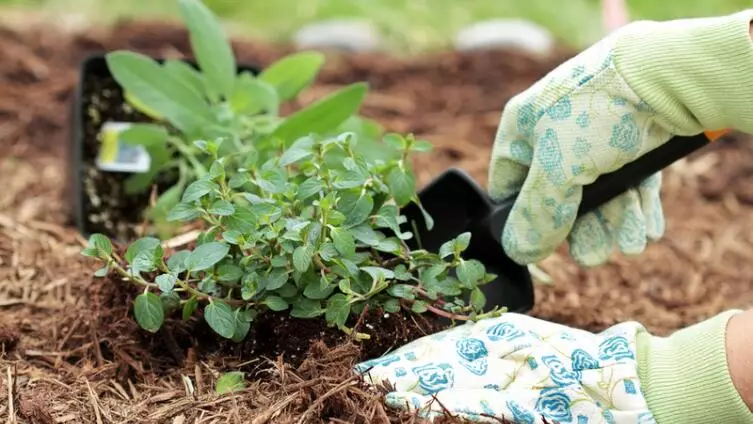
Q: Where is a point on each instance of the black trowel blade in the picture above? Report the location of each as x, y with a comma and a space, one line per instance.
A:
457, 204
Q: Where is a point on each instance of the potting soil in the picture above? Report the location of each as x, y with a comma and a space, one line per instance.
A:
70, 351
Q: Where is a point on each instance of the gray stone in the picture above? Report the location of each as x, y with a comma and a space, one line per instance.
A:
505, 33
348, 35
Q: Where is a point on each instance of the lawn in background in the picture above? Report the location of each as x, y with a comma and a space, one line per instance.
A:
409, 25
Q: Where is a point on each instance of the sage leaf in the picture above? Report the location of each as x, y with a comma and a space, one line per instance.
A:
293, 73
144, 79
209, 45
323, 115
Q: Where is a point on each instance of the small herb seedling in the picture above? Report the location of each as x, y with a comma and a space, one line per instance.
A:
215, 102
313, 228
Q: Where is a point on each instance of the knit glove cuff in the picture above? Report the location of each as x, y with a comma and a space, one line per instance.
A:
685, 378
696, 73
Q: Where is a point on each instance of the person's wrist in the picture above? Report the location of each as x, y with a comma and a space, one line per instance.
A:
685, 377
694, 73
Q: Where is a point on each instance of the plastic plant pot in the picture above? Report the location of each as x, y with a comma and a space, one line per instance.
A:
97, 198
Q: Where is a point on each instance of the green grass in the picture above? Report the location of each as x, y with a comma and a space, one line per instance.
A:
409, 25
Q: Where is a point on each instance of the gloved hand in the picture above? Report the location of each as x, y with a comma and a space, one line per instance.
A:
524, 370
517, 368
622, 97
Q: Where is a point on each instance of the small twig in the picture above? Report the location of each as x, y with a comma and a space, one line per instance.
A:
11, 389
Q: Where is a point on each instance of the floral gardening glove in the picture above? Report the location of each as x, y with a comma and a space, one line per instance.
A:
517, 368
524, 370
624, 96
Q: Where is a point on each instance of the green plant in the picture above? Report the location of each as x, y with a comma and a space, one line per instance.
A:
214, 101
314, 228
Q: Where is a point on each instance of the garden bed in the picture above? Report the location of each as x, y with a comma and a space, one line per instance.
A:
75, 355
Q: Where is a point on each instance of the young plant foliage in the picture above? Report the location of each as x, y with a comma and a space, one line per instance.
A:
314, 229
216, 101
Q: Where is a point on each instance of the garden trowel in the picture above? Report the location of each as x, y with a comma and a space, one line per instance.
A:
457, 204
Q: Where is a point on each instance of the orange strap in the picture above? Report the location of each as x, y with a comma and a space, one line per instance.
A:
714, 135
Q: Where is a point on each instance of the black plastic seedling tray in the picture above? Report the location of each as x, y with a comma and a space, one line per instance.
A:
82, 151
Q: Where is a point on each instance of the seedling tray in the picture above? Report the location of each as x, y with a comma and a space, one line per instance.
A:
97, 199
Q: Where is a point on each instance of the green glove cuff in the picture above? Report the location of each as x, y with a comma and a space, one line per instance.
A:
696, 73
685, 377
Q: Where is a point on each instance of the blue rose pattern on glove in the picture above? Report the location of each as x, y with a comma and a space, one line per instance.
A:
518, 368
580, 121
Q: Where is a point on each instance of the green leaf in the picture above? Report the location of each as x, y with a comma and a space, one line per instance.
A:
167, 201
143, 244
189, 308
243, 220
101, 244
401, 273
315, 290
470, 272
186, 75
390, 245
323, 115
242, 326
209, 45
302, 256
394, 140
365, 234
170, 302
392, 306
229, 273
358, 211
447, 249
183, 212
402, 185
101, 272
206, 256
222, 208
275, 279
301, 149
378, 273
147, 308
343, 241
338, 310
147, 260
198, 189
419, 307
145, 80
251, 96
306, 308
276, 303
478, 299
177, 261
229, 382
421, 146
293, 73
166, 282
310, 187
401, 290
220, 318
462, 242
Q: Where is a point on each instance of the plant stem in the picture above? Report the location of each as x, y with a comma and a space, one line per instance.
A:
133, 279
437, 311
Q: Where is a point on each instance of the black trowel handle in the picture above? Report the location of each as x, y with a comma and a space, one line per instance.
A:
609, 186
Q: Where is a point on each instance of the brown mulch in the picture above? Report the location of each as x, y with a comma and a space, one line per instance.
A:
68, 356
